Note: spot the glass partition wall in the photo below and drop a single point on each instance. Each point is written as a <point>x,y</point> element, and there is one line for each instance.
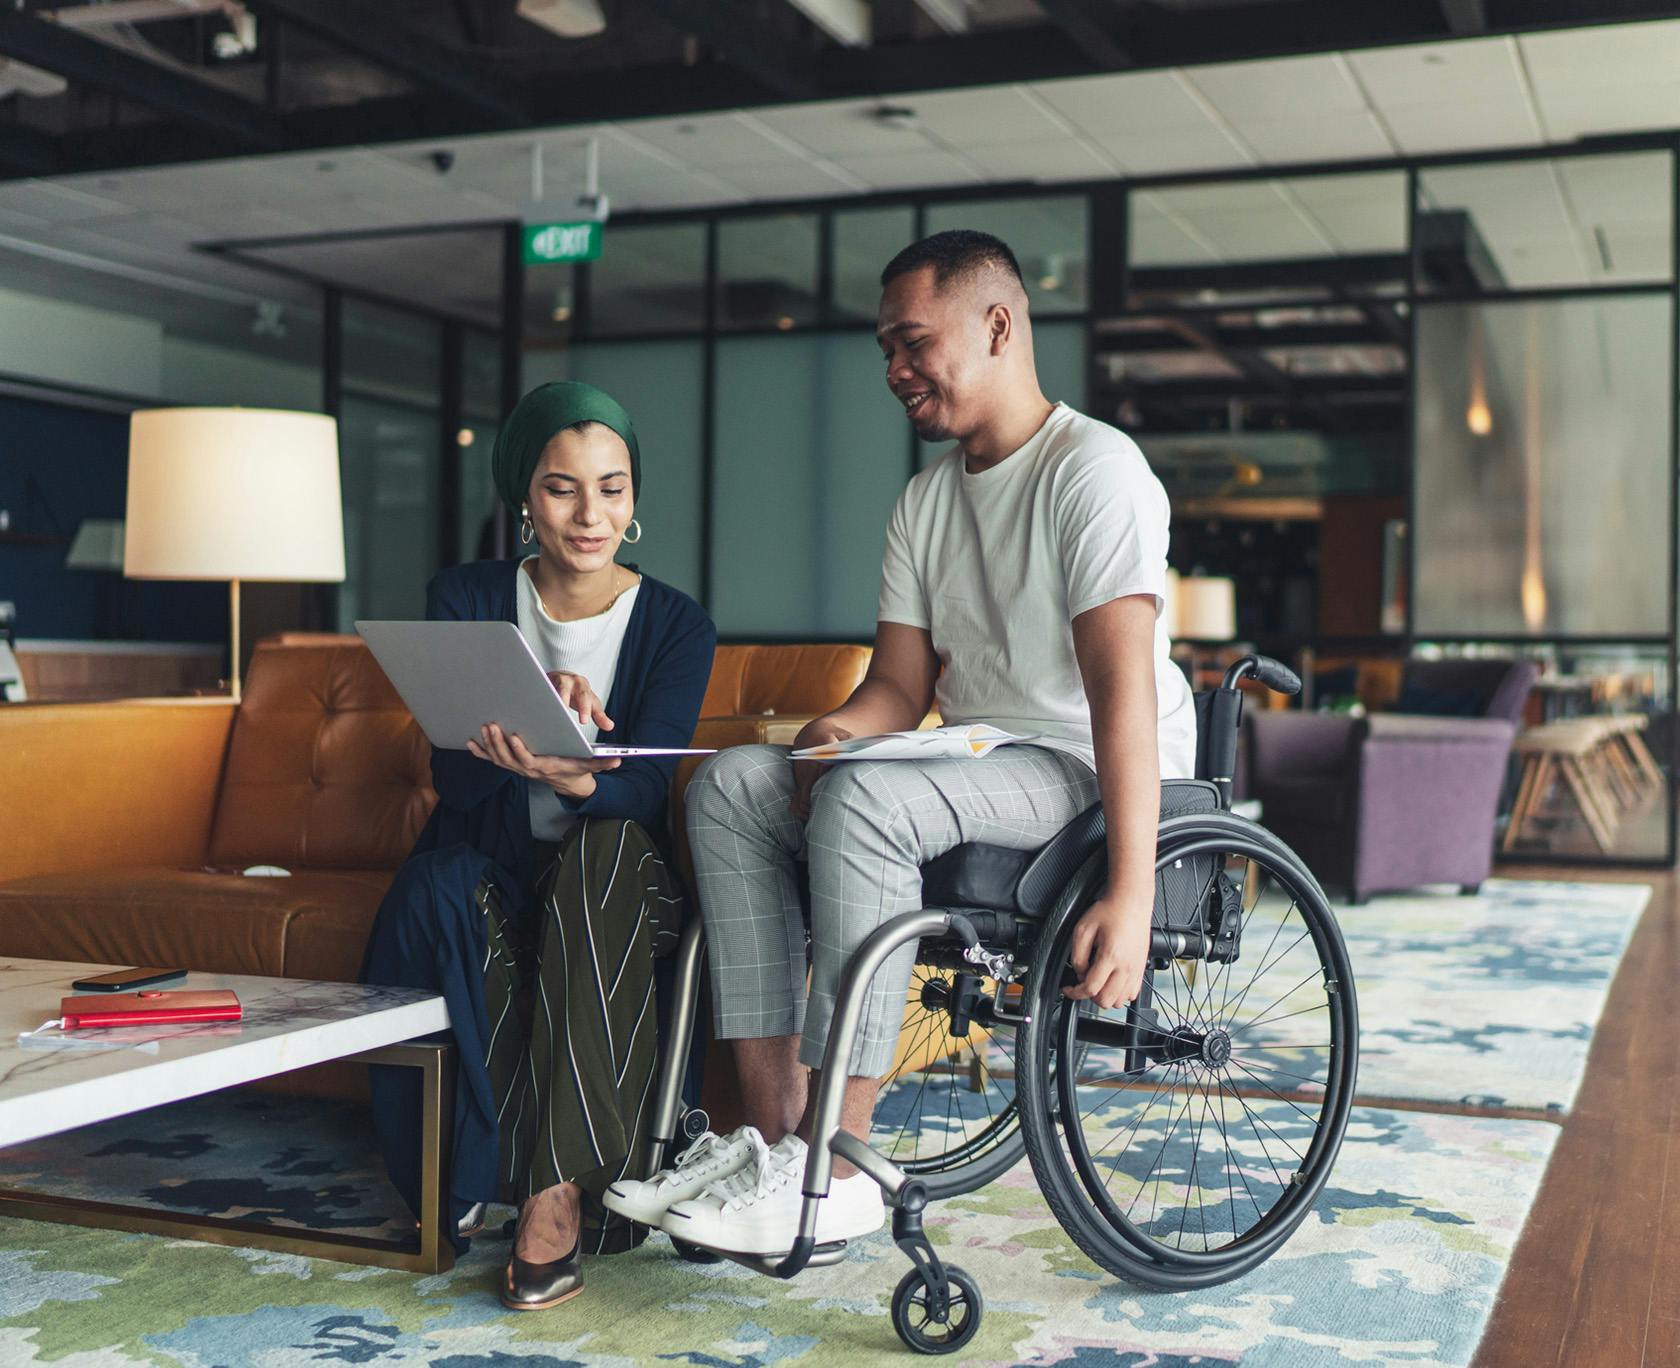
<point>1412,408</point>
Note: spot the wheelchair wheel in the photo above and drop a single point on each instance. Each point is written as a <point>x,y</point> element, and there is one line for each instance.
<point>947,1112</point>
<point>1195,1132</point>
<point>915,1322</point>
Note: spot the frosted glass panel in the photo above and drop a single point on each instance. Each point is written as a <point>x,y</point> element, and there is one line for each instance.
<point>865,240</point>
<point>391,461</point>
<point>1047,236</point>
<point>392,354</point>
<point>659,384</point>
<point>767,271</point>
<point>649,279</point>
<point>1542,460</point>
<point>1059,349</point>
<point>388,456</point>
<point>811,452</point>
<point>481,401</point>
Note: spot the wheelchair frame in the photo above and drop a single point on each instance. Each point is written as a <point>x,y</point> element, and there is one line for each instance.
<point>906,1195</point>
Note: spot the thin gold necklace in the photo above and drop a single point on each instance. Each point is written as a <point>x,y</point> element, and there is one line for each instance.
<point>619,589</point>
<point>618,593</point>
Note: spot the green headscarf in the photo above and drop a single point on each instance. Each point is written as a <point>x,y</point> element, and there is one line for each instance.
<point>535,419</point>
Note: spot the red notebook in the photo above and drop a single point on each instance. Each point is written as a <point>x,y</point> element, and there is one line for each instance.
<point>151,1007</point>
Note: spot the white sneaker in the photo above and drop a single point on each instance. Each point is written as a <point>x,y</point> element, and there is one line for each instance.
<point>708,1160</point>
<point>756,1210</point>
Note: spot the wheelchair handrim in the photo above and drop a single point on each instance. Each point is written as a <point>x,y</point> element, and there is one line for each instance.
<point>1185,839</point>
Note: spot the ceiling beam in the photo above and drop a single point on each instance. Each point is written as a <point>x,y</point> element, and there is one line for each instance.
<point>28,151</point>
<point>89,62</point>
<point>741,41</point>
<point>368,31</point>
<point>634,92</point>
<point>1249,361</point>
<point>1465,18</point>
<point>1088,24</point>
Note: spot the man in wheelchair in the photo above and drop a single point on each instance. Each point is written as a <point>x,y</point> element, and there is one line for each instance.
<point>1022,586</point>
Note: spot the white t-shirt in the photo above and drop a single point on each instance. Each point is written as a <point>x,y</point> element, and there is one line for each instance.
<point>996,566</point>
<point>587,646</point>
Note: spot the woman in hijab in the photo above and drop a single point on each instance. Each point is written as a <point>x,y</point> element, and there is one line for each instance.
<point>537,896</point>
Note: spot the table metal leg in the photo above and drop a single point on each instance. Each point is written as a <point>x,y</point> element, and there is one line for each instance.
<point>434,1254</point>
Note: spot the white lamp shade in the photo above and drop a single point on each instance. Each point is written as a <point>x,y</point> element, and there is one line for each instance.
<point>1207,608</point>
<point>98,545</point>
<point>225,494</point>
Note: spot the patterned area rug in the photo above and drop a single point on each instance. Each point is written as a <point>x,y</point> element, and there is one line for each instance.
<point>1398,1265</point>
<point>1491,1000</point>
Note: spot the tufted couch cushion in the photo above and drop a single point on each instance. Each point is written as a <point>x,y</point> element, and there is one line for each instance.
<point>325,768</point>
<point>783,679</point>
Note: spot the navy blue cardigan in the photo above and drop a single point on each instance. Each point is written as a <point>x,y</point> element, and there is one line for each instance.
<point>663,669</point>
<point>482,826</point>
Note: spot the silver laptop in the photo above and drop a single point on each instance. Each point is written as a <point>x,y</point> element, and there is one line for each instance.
<point>458,676</point>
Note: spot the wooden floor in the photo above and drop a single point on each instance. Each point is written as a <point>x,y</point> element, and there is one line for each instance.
<point>1595,1282</point>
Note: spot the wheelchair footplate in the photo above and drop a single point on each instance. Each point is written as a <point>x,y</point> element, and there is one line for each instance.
<point>936,1307</point>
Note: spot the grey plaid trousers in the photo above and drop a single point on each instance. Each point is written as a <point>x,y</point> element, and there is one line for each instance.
<point>873,824</point>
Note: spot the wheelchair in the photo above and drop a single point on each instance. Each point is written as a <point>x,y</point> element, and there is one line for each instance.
<point>1180,1140</point>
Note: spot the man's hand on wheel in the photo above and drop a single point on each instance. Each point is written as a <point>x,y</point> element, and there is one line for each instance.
<point>1110,951</point>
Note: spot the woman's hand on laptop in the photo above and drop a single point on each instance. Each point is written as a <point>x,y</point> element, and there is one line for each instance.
<point>817,732</point>
<point>1110,949</point>
<point>576,694</point>
<point>569,778</point>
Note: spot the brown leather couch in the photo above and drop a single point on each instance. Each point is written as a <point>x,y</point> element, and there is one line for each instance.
<point>127,824</point>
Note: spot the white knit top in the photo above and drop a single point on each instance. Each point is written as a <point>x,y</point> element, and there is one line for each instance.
<point>589,647</point>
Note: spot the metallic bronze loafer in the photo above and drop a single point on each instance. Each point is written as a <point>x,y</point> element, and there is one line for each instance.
<point>538,1286</point>
<point>471,1223</point>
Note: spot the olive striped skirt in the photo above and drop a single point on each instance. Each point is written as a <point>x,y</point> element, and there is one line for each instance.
<point>573,1043</point>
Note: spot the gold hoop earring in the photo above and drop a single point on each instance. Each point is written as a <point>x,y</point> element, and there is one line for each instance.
<point>526,531</point>
<point>627,537</point>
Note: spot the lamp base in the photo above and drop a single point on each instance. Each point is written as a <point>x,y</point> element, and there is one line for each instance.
<point>233,640</point>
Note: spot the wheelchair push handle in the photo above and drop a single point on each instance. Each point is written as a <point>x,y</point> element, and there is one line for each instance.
<point>1274,674</point>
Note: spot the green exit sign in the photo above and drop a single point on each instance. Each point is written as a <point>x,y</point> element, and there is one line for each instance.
<point>551,242</point>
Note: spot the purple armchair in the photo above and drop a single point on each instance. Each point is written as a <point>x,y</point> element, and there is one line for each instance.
<point>1396,799</point>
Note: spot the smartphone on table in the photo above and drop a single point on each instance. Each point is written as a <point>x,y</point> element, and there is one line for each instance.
<point>120,979</point>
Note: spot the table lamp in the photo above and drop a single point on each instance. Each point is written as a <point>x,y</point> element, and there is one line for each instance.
<point>1207,608</point>
<point>233,494</point>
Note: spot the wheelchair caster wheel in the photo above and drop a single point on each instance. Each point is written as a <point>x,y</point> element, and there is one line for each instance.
<point>916,1324</point>
<point>692,1253</point>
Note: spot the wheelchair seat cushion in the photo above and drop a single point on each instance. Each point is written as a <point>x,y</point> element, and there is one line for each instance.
<point>974,875</point>
<point>997,878</point>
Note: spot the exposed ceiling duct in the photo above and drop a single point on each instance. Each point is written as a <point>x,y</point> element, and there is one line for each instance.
<point>137,12</point>
<point>847,22</point>
<point>567,18</point>
<point>951,15</point>
<point>19,78</point>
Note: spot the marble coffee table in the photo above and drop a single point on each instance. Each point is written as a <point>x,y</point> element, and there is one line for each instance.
<point>48,1085</point>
